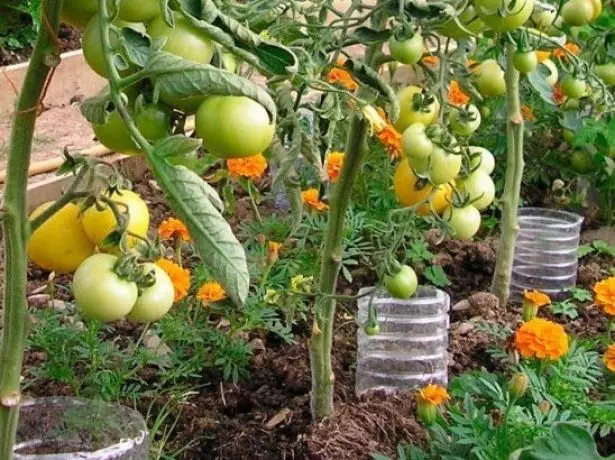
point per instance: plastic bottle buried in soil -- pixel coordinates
(66, 428)
(411, 349)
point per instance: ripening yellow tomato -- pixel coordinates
(425, 113)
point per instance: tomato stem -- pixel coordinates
(15, 226)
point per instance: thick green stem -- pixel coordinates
(512, 187)
(324, 312)
(15, 226)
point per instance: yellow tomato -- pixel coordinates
(407, 193)
(409, 114)
(60, 244)
(438, 201)
(98, 224)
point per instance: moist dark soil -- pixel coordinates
(267, 416)
(69, 40)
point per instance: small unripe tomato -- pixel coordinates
(464, 221)
(525, 62)
(464, 124)
(573, 87)
(403, 284)
(154, 301)
(415, 142)
(408, 51)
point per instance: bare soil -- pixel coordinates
(69, 39)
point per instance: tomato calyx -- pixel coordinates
(372, 327)
(422, 102)
(128, 268)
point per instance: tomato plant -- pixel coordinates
(490, 78)
(139, 10)
(408, 50)
(482, 159)
(480, 189)
(517, 13)
(416, 106)
(525, 61)
(403, 284)
(444, 166)
(78, 12)
(465, 221)
(154, 301)
(464, 121)
(415, 142)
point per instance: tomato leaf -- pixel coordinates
(538, 81)
(136, 46)
(96, 109)
(198, 205)
(167, 13)
(180, 78)
(368, 36)
(177, 146)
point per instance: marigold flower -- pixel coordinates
(251, 167)
(431, 61)
(211, 291)
(300, 283)
(433, 394)
(609, 358)
(180, 277)
(343, 78)
(172, 228)
(543, 55)
(570, 47)
(271, 297)
(375, 117)
(456, 95)
(311, 197)
(540, 299)
(605, 295)
(391, 140)
(558, 95)
(334, 163)
(470, 62)
(541, 339)
(527, 113)
(273, 252)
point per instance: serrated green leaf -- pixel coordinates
(176, 146)
(368, 36)
(197, 204)
(136, 46)
(167, 13)
(96, 109)
(180, 78)
(538, 81)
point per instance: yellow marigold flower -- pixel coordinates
(211, 291)
(431, 61)
(540, 299)
(273, 252)
(173, 229)
(300, 283)
(433, 394)
(180, 277)
(609, 358)
(251, 167)
(334, 163)
(456, 95)
(271, 297)
(543, 55)
(570, 47)
(311, 197)
(527, 113)
(605, 295)
(391, 140)
(342, 77)
(541, 339)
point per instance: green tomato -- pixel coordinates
(518, 12)
(606, 72)
(553, 72)
(581, 161)
(92, 46)
(443, 166)
(464, 123)
(464, 221)
(573, 87)
(154, 301)
(482, 159)
(578, 12)
(568, 136)
(490, 78)
(408, 51)
(480, 188)
(470, 21)
(139, 10)
(100, 294)
(372, 329)
(78, 12)
(426, 114)
(525, 62)
(234, 126)
(544, 18)
(415, 142)
(403, 284)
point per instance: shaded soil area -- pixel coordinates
(69, 39)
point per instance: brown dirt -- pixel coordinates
(70, 39)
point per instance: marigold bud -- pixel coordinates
(518, 385)
(544, 407)
(427, 412)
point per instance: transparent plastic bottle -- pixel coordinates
(546, 251)
(411, 349)
(64, 428)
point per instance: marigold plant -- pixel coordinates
(180, 277)
(456, 95)
(431, 61)
(541, 339)
(527, 113)
(570, 47)
(251, 167)
(609, 358)
(311, 197)
(211, 291)
(343, 78)
(333, 164)
(538, 298)
(273, 251)
(604, 295)
(172, 228)
(433, 394)
(543, 55)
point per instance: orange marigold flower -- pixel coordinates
(470, 62)
(251, 167)
(180, 277)
(527, 113)
(558, 95)
(456, 95)
(334, 163)
(211, 291)
(609, 358)
(605, 295)
(540, 299)
(543, 55)
(391, 139)
(431, 61)
(433, 394)
(173, 229)
(311, 197)
(342, 77)
(541, 339)
(273, 252)
(570, 47)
